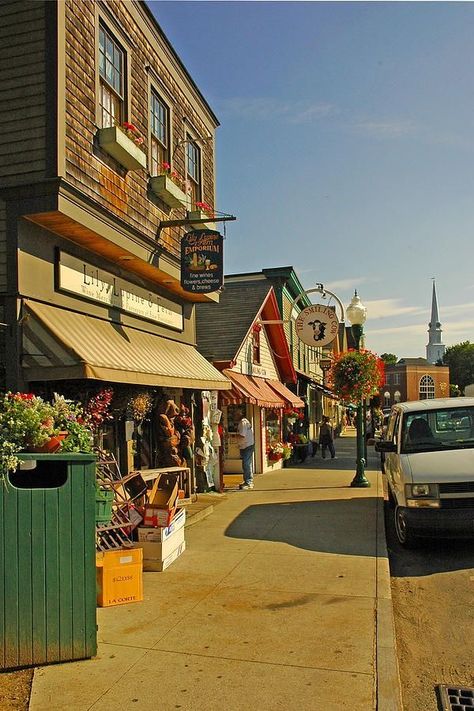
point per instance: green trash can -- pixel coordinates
(47, 561)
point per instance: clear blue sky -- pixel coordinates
(346, 149)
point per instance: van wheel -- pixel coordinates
(404, 533)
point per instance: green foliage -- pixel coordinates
(460, 359)
(389, 358)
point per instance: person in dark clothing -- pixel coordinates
(326, 438)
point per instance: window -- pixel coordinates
(256, 345)
(427, 388)
(112, 79)
(193, 170)
(396, 378)
(160, 133)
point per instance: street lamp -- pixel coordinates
(357, 313)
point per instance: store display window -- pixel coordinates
(272, 426)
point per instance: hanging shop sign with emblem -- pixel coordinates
(202, 261)
(317, 325)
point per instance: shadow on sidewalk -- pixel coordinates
(346, 527)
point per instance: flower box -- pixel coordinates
(200, 215)
(168, 191)
(124, 149)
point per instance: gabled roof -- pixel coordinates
(222, 328)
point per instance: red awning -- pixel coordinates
(255, 391)
(286, 393)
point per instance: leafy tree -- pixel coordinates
(460, 359)
(389, 358)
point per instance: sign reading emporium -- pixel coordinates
(83, 279)
(202, 262)
(317, 325)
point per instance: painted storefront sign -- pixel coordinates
(82, 279)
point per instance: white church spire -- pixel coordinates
(435, 348)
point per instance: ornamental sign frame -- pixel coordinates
(317, 325)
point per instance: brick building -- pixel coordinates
(414, 379)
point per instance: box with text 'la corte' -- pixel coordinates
(119, 576)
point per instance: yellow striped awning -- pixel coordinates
(59, 344)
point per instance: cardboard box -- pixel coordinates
(159, 551)
(158, 535)
(165, 498)
(119, 576)
(154, 563)
(157, 518)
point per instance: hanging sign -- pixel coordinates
(202, 262)
(317, 325)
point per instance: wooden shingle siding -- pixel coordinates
(3, 248)
(22, 92)
(123, 194)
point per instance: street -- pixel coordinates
(433, 596)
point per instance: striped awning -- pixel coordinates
(60, 345)
(286, 393)
(255, 391)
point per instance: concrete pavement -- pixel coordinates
(281, 600)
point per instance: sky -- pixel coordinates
(345, 149)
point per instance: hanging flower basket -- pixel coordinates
(356, 375)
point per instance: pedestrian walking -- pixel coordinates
(246, 443)
(326, 438)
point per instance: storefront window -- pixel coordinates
(272, 426)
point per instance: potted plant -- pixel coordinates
(124, 143)
(356, 375)
(275, 451)
(29, 423)
(201, 211)
(170, 187)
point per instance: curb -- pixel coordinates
(388, 686)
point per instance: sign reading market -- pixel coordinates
(82, 279)
(317, 325)
(202, 261)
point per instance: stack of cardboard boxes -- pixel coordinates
(160, 543)
(162, 536)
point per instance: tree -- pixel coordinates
(460, 359)
(389, 358)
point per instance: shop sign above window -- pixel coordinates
(202, 263)
(317, 325)
(82, 279)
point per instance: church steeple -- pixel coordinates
(435, 348)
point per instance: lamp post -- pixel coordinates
(357, 313)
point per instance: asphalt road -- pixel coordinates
(433, 603)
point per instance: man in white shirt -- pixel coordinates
(246, 444)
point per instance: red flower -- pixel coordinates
(129, 126)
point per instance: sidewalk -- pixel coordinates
(280, 601)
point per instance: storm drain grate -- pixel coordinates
(455, 698)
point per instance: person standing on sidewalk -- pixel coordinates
(246, 443)
(326, 438)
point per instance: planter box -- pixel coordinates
(168, 191)
(198, 215)
(118, 145)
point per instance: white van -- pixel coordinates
(428, 454)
